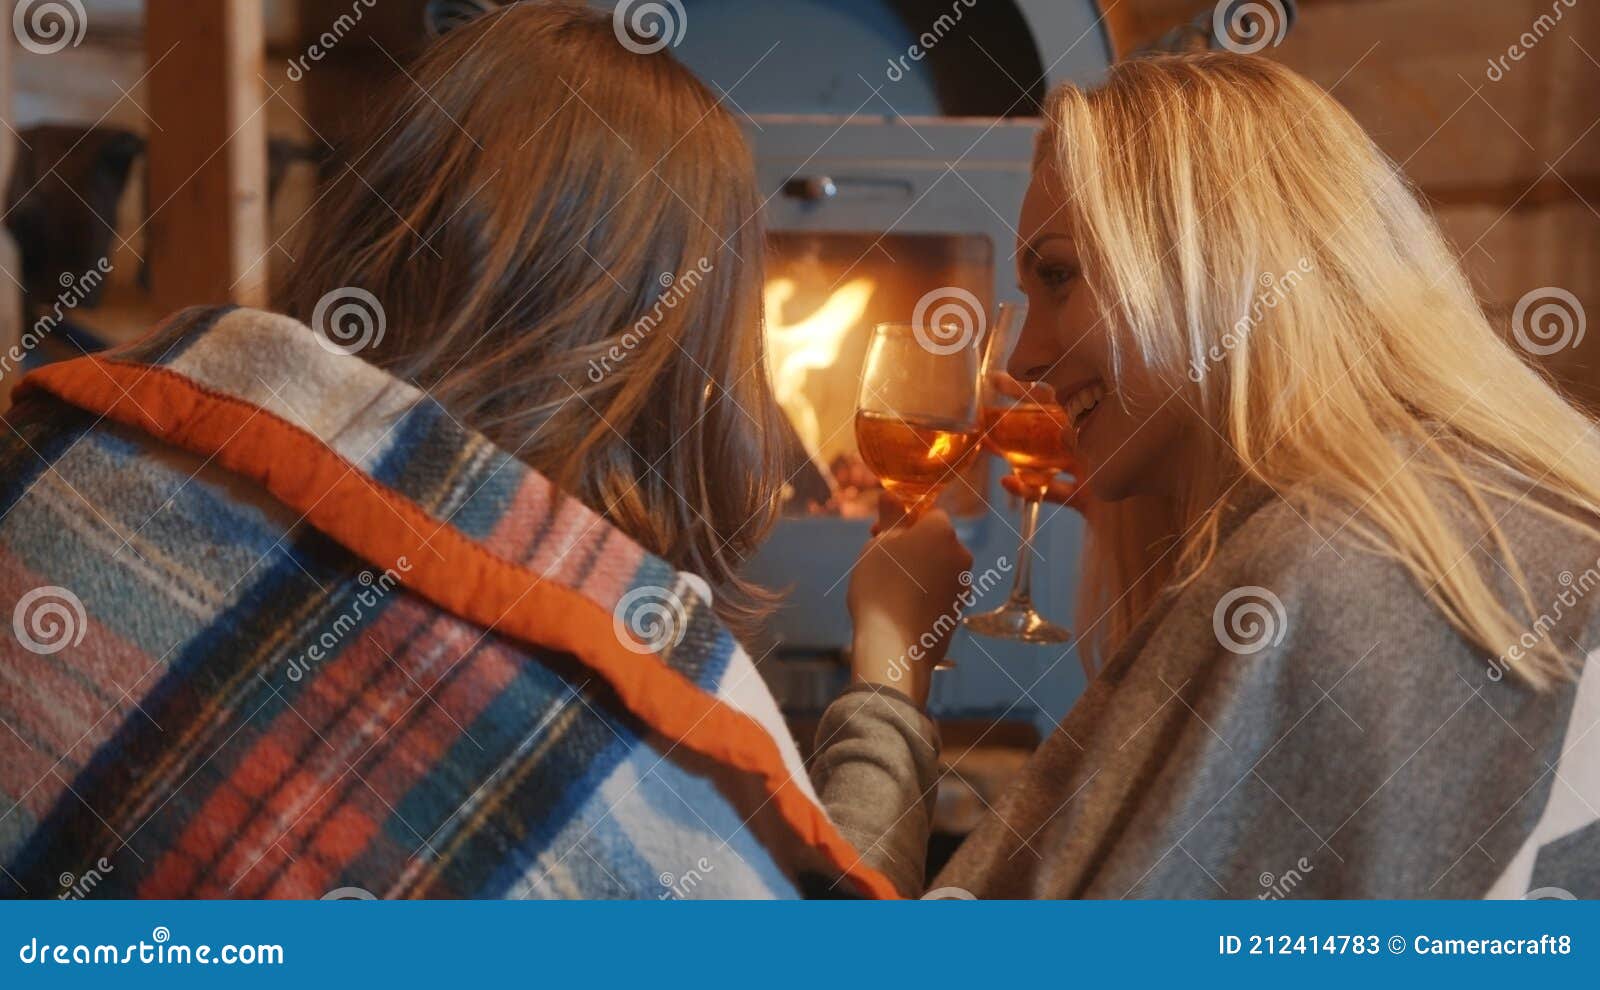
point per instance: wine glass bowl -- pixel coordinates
(913, 457)
(917, 415)
(1029, 434)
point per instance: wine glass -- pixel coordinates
(917, 414)
(1023, 423)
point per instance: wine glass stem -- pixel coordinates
(1022, 583)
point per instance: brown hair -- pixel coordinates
(565, 240)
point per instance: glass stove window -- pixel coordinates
(824, 294)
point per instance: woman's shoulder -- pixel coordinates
(1317, 564)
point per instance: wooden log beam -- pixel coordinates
(11, 312)
(207, 158)
(1133, 24)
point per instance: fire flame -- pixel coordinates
(811, 344)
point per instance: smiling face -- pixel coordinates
(1128, 429)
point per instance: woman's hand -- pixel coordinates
(903, 600)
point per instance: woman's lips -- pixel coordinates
(1083, 420)
(1081, 403)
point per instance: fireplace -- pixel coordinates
(824, 294)
(893, 140)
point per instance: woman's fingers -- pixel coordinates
(1022, 391)
(904, 597)
(1060, 491)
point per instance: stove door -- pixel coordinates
(866, 217)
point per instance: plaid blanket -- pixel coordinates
(281, 627)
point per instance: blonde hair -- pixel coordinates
(1198, 185)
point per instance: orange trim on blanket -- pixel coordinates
(350, 507)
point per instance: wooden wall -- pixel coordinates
(106, 80)
(1509, 158)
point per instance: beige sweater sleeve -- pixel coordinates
(876, 771)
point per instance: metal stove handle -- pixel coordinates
(817, 188)
(811, 188)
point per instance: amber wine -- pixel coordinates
(1032, 439)
(915, 457)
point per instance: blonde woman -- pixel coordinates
(1341, 537)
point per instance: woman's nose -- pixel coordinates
(1025, 372)
(1035, 353)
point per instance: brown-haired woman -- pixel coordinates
(566, 241)
(410, 589)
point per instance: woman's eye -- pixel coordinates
(1056, 277)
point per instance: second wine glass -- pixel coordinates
(1023, 423)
